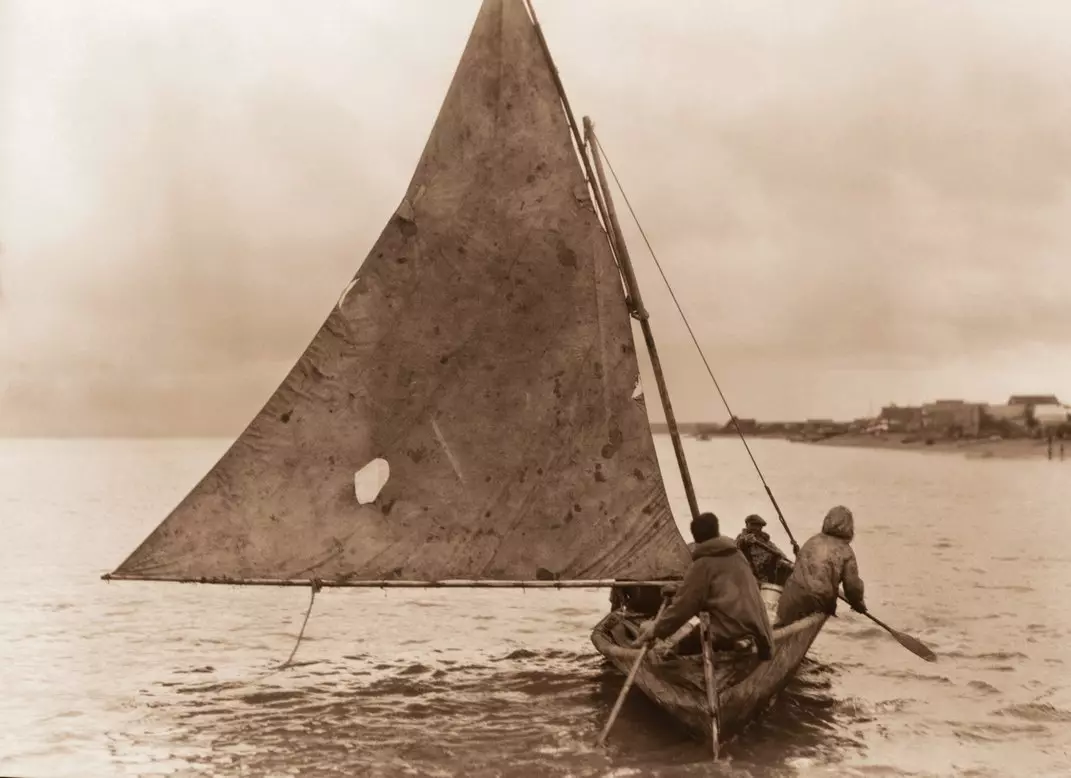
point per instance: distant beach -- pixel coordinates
(1022, 428)
(979, 448)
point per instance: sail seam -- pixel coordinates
(336, 552)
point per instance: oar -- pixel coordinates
(914, 645)
(628, 685)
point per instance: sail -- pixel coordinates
(468, 410)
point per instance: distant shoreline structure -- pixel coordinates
(1027, 425)
(1022, 417)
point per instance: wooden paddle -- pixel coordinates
(914, 645)
(628, 685)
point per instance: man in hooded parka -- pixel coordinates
(824, 563)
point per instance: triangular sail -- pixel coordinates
(483, 351)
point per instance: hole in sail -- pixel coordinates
(637, 392)
(369, 481)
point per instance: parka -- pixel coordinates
(824, 563)
(720, 582)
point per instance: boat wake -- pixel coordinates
(536, 711)
(531, 707)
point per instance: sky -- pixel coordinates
(856, 203)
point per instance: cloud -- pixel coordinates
(872, 185)
(872, 188)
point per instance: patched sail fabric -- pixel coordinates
(466, 411)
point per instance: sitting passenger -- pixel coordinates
(768, 562)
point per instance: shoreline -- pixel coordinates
(971, 448)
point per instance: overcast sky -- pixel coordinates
(856, 202)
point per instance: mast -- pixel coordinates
(597, 182)
(638, 311)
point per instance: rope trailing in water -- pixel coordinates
(315, 587)
(695, 340)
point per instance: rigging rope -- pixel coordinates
(315, 587)
(301, 633)
(695, 340)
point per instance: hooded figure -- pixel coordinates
(719, 581)
(824, 563)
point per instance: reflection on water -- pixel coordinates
(146, 679)
(532, 709)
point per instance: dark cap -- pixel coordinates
(755, 520)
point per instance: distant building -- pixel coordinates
(896, 418)
(1052, 417)
(1033, 400)
(823, 427)
(1014, 413)
(743, 425)
(953, 417)
(1033, 406)
(1006, 420)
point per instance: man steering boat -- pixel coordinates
(719, 582)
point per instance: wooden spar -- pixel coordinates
(633, 289)
(708, 676)
(604, 215)
(601, 583)
(597, 182)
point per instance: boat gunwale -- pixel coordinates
(617, 651)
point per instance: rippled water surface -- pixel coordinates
(104, 679)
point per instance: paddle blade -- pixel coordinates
(914, 645)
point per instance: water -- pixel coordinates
(104, 679)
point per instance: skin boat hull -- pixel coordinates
(675, 683)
